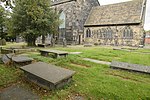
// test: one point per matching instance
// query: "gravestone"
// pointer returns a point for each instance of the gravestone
(6, 58)
(131, 67)
(64, 42)
(21, 60)
(47, 76)
(2, 42)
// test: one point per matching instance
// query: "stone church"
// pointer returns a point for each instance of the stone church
(74, 14)
(116, 24)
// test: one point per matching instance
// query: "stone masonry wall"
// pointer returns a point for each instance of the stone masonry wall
(76, 14)
(117, 35)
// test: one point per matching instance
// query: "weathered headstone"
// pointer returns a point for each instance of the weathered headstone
(47, 76)
(64, 42)
(2, 42)
(53, 42)
(131, 67)
(6, 58)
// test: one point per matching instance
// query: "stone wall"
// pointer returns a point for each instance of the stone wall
(115, 35)
(76, 13)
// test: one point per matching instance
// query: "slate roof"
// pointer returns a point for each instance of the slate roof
(120, 13)
(57, 2)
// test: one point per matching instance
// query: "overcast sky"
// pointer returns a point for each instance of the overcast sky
(147, 20)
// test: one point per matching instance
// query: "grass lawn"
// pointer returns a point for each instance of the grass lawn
(92, 81)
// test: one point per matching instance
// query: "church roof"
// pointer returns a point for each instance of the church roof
(121, 13)
(57, 2)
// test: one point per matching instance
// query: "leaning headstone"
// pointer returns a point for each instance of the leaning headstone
(47, 76)
(131, 67)
(6, 58)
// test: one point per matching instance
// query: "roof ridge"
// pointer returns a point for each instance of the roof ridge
(118, 3)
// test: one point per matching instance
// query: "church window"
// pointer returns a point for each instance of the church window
(63, 19)
(109, 33)
(127, 32)
(88, 33)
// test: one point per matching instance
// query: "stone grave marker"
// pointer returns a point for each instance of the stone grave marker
(22, 60)
(6, 58)
(131, 67)
(47, 76)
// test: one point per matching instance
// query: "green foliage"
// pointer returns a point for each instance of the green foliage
(33, 18)
(2, 22)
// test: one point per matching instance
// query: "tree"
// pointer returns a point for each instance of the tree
(2, 22)
(33, 18)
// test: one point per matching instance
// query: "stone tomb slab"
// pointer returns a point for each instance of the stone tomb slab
(47, 76)
(21, 60)
(131, 67)
(57, 53)
(17, 92)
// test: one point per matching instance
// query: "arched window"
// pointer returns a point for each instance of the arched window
(63, 19)
(109, 33)
(104, 33)
(127, 32)
(88, 33)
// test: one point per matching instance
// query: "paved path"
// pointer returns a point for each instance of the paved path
(75, 53)
(17, 92)
(97, 61)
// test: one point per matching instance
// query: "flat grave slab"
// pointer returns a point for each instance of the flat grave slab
(57, 53)
(131, 67)
(47, 76)
(22, 60)
(17, 92)
(43, 45)
(88, 45)
(6, 51)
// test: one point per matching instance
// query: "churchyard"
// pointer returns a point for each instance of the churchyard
(91, 81)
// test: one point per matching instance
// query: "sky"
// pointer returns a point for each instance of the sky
(147, 18)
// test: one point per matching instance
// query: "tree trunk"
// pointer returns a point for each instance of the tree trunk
(43, 39)
(31, 41)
